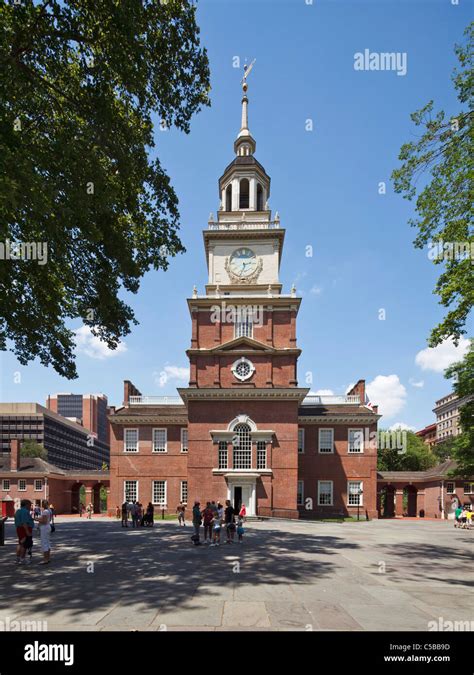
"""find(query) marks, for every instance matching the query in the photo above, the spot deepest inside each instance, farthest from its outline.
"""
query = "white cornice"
(341, 418)
(211, 394)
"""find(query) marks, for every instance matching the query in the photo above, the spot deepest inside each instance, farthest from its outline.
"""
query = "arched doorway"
(410, 501)
(76, 497)
(387, 501)
(99, 498)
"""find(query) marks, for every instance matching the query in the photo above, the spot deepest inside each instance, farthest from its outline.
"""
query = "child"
(468, 518)
(216, 530)
(240, 528)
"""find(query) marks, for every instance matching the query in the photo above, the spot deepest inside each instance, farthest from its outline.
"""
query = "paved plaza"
(379, 575)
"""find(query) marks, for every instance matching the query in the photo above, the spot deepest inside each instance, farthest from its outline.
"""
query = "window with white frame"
(326, 440)
(300, 493)
(6, 484)
(261, 455)
(450, 488)
(159, 440)
(300, 440)
(354, 493)
(130, 490)
(243, 327)
(159, 492)
(130, 440)
(222, 455)
(356, 440)
(325, 492)
(469, 488)
(184, 491)
(22, 485)
(184, 440)
(38, 484)
(242, 447)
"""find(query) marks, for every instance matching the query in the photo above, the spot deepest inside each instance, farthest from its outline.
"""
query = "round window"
(243, 369)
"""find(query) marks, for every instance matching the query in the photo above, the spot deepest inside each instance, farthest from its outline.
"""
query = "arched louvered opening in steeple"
(228, 198)
(244, 190)
(259, 197)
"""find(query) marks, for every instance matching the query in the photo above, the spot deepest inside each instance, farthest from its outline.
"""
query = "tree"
(443, 205)
(462, 374)
(80, 84)
(30, 448)
(417, 456)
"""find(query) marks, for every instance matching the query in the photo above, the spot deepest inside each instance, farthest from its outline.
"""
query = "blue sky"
(324, 186)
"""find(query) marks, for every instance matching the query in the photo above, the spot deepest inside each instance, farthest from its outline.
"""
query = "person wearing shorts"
(24, 524)
(181, 513)
(45, 531)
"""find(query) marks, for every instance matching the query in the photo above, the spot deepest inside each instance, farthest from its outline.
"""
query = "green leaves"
(82, 81)
(462, 374)
(445, 151)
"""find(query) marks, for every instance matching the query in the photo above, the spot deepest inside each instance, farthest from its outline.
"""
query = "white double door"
(243, 493)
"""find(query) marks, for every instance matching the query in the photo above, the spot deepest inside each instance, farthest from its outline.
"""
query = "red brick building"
(243, 429)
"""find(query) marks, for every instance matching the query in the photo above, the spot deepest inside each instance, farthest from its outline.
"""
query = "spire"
(245, 144)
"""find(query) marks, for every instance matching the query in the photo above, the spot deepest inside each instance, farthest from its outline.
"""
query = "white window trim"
(159, 480)
(21, 481)
(184, 429)
(301, 503)
(129, 452)
(159, 452)
(185, 501)
(471, 488)
(326, 452)
(4, 481)
(332, 492)
(125, 489)
(38, 480)
(301, 430)
(355, 452)
(453, 491)
(361, 496)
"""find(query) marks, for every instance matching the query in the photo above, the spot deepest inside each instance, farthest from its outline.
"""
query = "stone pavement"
(381, 575)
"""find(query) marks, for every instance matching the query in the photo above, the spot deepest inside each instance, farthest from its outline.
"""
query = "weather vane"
(247, 70)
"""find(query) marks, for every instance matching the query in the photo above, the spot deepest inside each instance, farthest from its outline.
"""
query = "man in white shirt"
(45, 531)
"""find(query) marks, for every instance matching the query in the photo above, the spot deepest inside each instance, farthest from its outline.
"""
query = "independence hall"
(243, 429)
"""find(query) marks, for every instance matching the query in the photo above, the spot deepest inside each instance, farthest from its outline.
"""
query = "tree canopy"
(462, 374)
(82, 85)
(31, 448)
(417, 456)
(445, 151)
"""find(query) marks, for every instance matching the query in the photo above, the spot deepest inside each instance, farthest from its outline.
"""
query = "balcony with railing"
(156, 400)
(244, 225)
(314, 399)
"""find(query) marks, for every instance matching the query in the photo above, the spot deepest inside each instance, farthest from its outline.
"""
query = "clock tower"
(243, 393)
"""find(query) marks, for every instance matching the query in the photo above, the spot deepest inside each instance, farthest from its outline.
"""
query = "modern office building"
(90, 410)
(69, 445)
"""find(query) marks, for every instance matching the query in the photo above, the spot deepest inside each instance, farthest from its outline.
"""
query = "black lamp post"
(359, 494)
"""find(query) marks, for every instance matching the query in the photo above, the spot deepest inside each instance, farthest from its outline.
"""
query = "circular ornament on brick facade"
(243, 369)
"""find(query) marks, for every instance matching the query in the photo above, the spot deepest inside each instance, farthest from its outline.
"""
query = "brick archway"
(410, 494)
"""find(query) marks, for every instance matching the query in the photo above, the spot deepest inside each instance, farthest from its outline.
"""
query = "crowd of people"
(27, 518)
(463, 517)
(134, 513)
(215, 519)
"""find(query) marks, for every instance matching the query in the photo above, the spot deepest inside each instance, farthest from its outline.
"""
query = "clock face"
(243, 262)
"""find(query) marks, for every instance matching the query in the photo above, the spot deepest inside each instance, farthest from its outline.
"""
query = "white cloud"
(349, 387)
(322, 392)
(418, 384)
(401, 426)
(90, 345)
(316, 290)
(440, 357)
(388, 393)
(170, 373)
